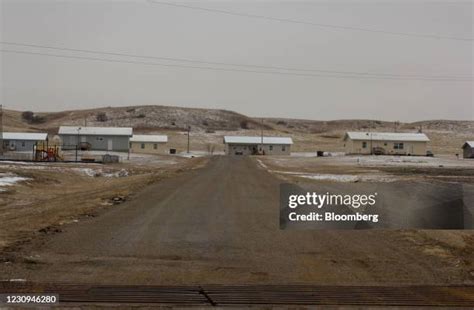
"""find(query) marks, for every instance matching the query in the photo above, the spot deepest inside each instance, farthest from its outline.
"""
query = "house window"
(143, 145)
(364, 145)
(283, 148)
(23, 144)
(270, 147)
(155, 146)
(398, 146)
(385, 144)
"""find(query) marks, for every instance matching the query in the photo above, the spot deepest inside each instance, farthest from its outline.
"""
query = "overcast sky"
(47, 83)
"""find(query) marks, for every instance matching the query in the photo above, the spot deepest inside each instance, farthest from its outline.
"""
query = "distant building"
(468, 149)
(388, 143)
(96, 138)
(22, 141)
(148, 144)
(244, 145)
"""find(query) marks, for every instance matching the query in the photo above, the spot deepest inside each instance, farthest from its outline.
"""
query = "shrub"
(27, 115)
(31, 118)
(101, 117)
(244, 124)
(38, 119)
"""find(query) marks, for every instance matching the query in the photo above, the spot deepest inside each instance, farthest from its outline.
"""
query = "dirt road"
(220, 225)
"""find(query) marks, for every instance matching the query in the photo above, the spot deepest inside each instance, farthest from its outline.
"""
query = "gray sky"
(45, 83)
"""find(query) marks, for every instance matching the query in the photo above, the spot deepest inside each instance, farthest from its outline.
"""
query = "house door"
(110, 145)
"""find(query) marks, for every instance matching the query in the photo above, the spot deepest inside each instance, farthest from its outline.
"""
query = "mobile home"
(148, 144)
(388, 143)
(247, 145)
(22, 141)
(96, 138)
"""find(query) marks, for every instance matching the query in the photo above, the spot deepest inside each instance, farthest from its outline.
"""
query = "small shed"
(148, 144)
(248, 145)
(388, 143)
(96, 138)
(22, 141)
(468, 149)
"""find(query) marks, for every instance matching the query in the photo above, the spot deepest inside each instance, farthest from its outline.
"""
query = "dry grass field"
(55, 194)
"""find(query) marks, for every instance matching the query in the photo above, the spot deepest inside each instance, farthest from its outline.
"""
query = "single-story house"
(148, 144)
(96, 138)
(468, 149)
(388, 143)
(22, 141)
(245, 145)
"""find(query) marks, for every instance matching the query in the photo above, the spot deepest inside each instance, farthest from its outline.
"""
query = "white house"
(246, 145)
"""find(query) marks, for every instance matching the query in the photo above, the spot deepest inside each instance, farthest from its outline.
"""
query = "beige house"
(386, 143)
(149, 144)
(245, 145)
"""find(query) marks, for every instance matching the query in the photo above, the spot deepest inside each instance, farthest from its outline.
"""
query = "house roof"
(35, 136)
(468, 143)
(257, 140)
(386, 136)
(96, 131)
(149, 138)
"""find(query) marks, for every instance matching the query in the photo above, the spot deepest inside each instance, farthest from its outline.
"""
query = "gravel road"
(220, 225)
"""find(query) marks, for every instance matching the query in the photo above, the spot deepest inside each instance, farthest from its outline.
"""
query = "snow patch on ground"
(193, 154)
(262, 164)
(16, 162)
(411, 161)
(99, 173)
(340, 177)
(9, 179)
(304, 154)
(349, 178)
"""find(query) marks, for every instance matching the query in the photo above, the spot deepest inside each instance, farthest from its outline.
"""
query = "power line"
(229, 69)
(234, 64)
(294, 21)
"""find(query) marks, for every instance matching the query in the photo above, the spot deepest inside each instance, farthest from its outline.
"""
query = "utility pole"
(371, 148)
(1, 129)
(189, 131)
(261, 134)
(369, 133)
(77, 142)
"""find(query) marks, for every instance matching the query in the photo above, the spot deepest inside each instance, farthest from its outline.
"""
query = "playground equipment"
(48, 150)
